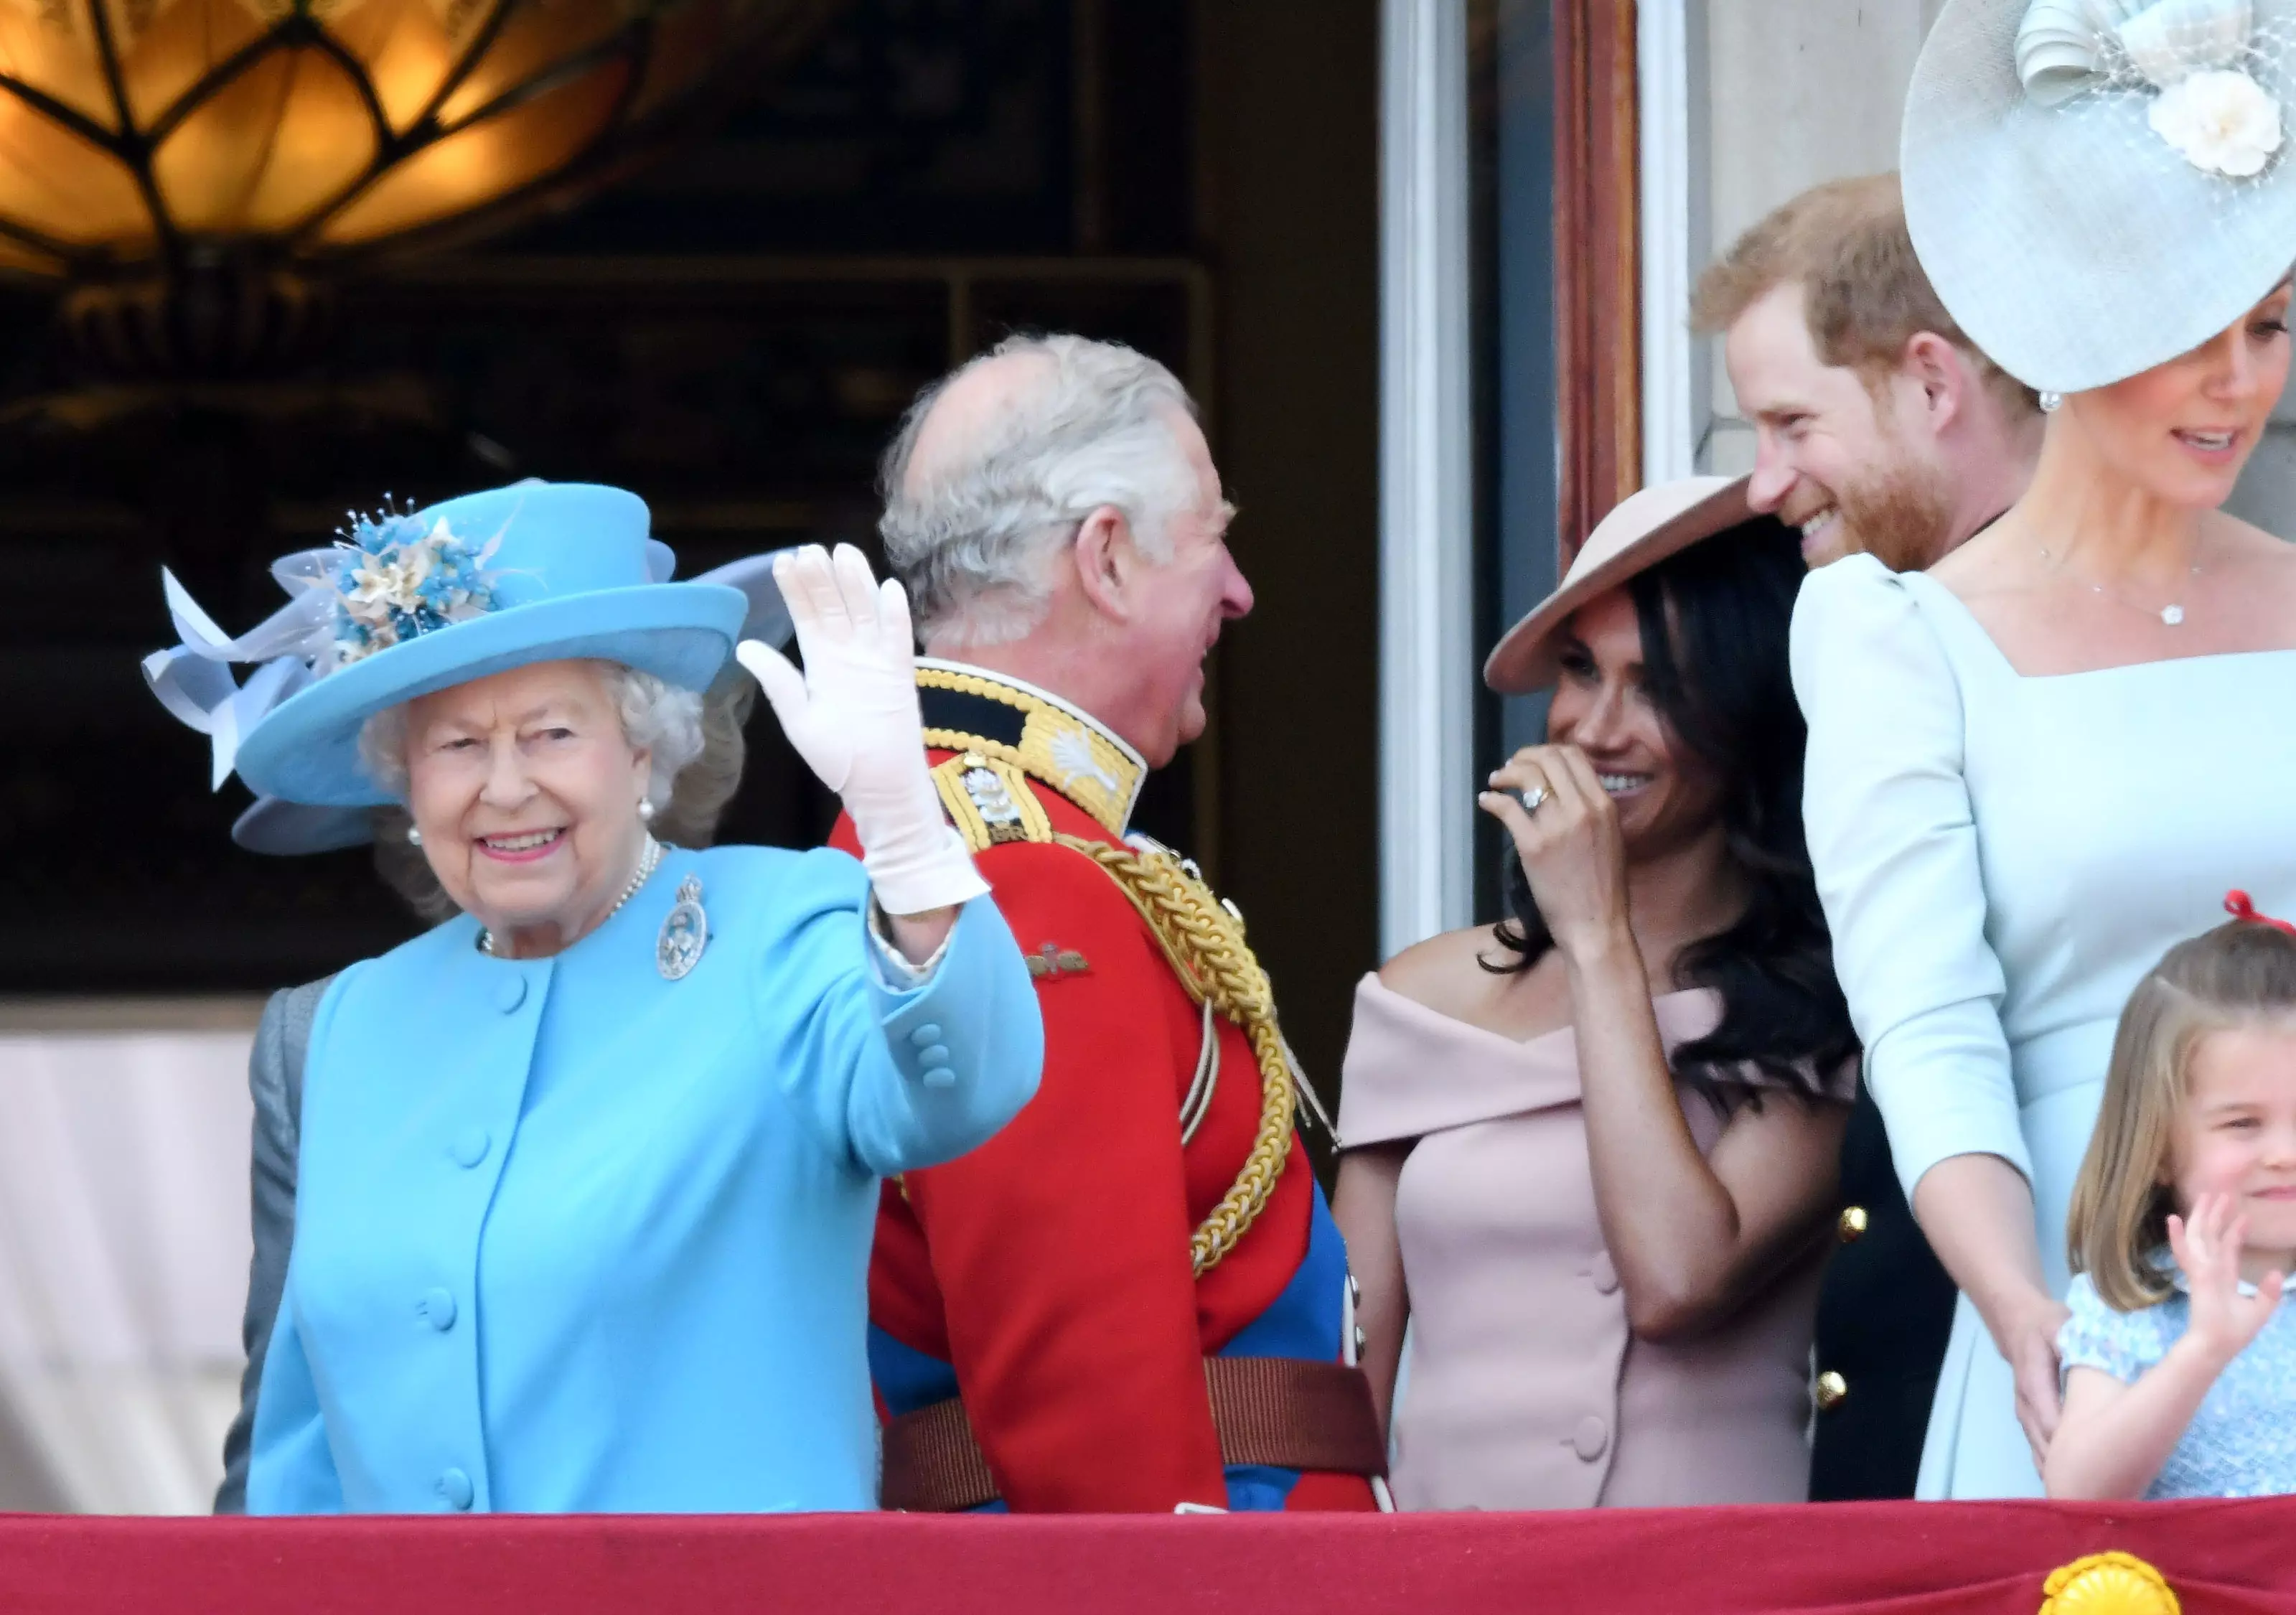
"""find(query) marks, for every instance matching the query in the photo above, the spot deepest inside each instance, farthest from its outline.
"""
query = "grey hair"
(657, 718)
(974, 544)
(686, 816)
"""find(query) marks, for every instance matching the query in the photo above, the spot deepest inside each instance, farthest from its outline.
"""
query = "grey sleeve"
(275, 1079)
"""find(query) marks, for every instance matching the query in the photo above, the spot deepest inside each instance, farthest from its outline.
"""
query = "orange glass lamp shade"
(135, 131)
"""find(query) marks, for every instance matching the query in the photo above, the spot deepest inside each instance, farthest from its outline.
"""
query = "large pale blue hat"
(410, 604)
(2096, 186)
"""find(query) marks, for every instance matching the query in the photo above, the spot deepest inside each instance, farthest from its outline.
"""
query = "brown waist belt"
(1285, 1413)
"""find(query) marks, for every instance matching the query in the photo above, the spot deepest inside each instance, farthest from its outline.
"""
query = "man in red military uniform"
(1134, 1297)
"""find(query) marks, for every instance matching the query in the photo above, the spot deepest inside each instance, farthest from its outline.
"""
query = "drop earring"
(2052, 402)
(414, 836)
(645, 810)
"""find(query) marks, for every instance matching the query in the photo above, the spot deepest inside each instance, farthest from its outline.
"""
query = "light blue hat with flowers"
(2096, 186)
(196, 688)
(406, 604)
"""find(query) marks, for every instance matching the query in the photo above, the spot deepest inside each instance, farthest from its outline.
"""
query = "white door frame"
(1672, 123)
(1428, 662)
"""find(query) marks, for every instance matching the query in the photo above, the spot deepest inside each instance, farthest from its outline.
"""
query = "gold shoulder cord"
(1205, 944)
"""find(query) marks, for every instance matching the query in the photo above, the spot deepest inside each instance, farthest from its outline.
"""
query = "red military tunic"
(1046, 1278)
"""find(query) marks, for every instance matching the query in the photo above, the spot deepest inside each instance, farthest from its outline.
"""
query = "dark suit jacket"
(275, 1078)
(1883, 1314)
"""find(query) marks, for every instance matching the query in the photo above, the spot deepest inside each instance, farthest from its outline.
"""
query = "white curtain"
(123, 1256)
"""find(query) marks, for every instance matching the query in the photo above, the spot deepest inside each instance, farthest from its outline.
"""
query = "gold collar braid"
(1041, 734)
(1204, 941)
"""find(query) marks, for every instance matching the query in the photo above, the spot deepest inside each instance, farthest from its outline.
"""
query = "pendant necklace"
(649, 860)
(2172, 614)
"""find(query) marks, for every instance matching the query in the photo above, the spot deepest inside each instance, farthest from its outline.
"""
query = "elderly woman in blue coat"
(588, 1173)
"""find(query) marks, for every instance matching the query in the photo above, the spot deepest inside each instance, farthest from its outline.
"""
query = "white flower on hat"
(394, 581)
(2221, 121)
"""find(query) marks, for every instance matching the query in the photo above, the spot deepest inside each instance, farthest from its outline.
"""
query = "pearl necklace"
(649, 861)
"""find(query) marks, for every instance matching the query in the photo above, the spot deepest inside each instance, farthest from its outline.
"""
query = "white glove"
(852, 715)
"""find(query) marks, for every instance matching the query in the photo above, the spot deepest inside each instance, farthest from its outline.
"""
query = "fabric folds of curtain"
(123, 1259)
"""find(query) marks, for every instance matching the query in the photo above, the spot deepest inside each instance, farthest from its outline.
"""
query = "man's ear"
(1104, 560)
(1937, 368)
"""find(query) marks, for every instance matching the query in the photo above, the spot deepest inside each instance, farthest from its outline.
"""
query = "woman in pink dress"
(1591, 1151)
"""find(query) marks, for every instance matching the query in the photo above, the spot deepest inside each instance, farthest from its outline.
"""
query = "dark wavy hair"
(1714, 621)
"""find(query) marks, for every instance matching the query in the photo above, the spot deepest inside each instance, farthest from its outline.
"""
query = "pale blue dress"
(2001, 859)
(2242, 1442)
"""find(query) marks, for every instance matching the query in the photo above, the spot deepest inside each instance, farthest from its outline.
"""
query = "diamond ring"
(1533, 797)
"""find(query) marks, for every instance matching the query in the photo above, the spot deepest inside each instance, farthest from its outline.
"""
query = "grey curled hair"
(973, 542)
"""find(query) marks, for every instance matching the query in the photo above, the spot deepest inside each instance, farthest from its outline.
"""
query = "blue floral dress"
(2242, 1441)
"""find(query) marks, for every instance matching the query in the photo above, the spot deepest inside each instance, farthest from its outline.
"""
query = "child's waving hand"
(2207, 1246)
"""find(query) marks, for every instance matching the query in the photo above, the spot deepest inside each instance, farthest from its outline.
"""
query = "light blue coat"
(571, 1236)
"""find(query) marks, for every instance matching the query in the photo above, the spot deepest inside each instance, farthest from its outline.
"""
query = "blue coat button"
(941, 1076)
(511, 993)
(925, 1036)
(470, 1146)
(455, 1487)
(936, 1055)
(438, 1307)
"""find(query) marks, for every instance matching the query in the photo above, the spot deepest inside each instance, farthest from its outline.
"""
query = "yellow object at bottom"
(2107, 1583)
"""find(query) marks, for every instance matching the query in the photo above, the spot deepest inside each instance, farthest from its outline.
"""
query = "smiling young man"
(1134, 1299)
(1878, 428)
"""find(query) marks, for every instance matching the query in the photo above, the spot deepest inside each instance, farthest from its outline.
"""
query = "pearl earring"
(645, 810)
(2052, 402)
(414, 836)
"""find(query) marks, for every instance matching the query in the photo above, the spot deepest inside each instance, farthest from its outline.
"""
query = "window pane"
(1511, 138)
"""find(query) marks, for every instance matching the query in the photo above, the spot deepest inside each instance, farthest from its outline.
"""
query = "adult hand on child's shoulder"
(2031, 1349)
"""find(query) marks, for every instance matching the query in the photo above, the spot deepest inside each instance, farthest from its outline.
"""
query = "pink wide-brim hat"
(1644, 529)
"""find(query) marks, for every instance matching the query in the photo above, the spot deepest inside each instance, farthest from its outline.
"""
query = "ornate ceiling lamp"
(183, 164)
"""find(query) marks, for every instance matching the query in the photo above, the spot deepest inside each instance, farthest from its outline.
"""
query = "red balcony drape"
(1885, 1559)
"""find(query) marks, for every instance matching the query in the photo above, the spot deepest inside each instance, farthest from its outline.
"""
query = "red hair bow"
(2239, 908)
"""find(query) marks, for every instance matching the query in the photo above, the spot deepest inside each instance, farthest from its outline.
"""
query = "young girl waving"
(2179, 1359)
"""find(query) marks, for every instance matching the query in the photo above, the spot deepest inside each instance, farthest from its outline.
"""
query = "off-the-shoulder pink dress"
(1524, 1388)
